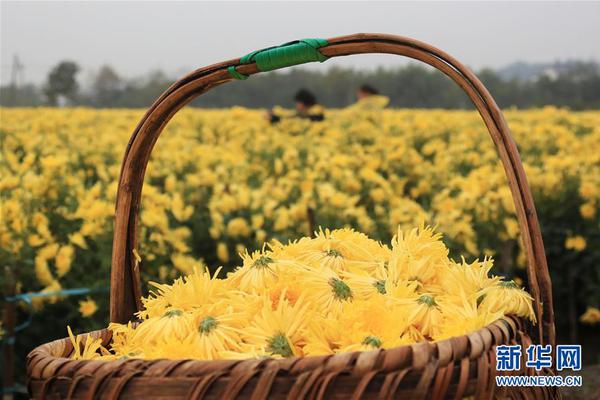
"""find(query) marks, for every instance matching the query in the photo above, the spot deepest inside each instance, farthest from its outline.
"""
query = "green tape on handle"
(237, 75)
(286, 55)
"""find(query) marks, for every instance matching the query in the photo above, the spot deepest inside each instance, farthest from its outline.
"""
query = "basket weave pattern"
(450, 368)
(453, 368)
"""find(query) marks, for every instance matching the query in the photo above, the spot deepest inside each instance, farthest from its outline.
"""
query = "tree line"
(576, 86)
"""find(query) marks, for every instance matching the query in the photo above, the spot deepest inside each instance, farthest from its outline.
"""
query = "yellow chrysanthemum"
(507, 298)
(425, 314)
(463, 318)
(63, 259)
(218, 332)
(262, 269)
(472, 279)
(258, 270)
(88, 348)
(327, 290)
(123, 344)
(368, 325)
(279, 332)
(212, 332)
(173, 324)
(87, 307)
(591, 316)
(576, 243)
(288, 286)
(323, 336)
(417, 255)
(403, 291)
(338, 250)
(187, 293)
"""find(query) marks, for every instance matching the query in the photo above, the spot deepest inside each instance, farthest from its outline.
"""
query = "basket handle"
(125, 275)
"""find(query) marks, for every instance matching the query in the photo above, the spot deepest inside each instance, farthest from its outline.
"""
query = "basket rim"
(52, 359)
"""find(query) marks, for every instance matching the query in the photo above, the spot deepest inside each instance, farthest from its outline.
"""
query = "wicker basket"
(454, 368)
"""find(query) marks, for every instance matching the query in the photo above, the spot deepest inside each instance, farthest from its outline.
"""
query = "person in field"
(369, 99)
(307, 107)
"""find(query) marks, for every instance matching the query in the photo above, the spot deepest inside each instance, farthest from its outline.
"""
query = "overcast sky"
(136, 37)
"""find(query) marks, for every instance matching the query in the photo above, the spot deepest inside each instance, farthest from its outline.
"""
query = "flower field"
(223, 181)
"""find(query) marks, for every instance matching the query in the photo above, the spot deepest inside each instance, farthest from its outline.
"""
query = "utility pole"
(17, 76)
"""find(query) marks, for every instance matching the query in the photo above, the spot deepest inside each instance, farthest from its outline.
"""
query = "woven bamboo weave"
(450, 369)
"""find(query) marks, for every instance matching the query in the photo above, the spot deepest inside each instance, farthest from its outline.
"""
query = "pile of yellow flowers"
(337, 292)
